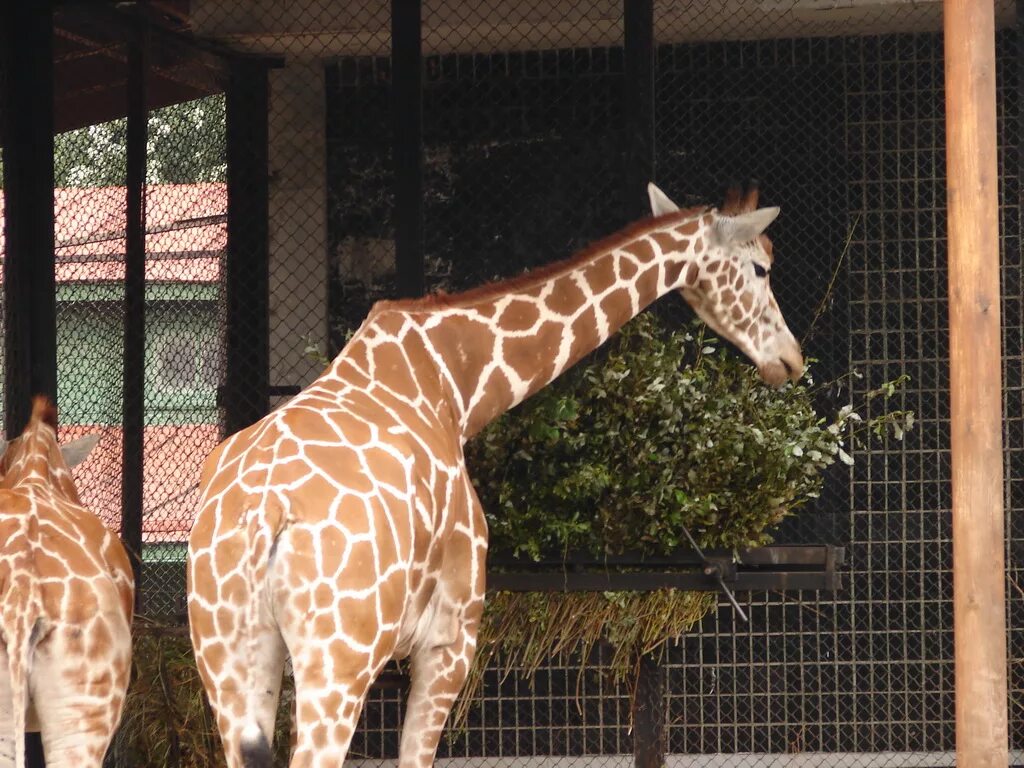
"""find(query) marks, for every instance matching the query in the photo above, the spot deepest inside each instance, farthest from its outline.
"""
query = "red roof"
(186, 227)
(173, 457)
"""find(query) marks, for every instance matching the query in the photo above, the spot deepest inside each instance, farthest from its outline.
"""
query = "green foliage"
(663, 430)
(185, 145)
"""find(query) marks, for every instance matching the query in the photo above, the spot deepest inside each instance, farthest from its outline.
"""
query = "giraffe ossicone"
(66, 599)
(342, 530)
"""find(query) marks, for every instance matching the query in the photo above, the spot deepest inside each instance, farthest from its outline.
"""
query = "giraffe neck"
(35, 458)
(495, 346)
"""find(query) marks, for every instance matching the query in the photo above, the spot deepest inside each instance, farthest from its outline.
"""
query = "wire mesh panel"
(724, 111)
(499, 120)
(90, 219)
(360, 183)
(186, 201)
(273, 225)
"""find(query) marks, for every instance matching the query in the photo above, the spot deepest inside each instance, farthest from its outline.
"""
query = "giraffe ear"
(76, 451)
(660, 204)
(745, 227)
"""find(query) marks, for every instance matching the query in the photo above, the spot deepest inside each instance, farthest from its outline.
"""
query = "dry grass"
(167, 720)
(523, 630)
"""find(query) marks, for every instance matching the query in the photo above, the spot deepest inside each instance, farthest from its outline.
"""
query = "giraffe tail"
(264, 522)
(19, 617)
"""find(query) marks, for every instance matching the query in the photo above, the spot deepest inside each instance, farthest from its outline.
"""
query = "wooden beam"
(979, 609)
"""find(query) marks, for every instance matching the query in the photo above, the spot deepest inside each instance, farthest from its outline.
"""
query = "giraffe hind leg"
(245, 709)
(79, 695)
(437, 675)
(327, 712)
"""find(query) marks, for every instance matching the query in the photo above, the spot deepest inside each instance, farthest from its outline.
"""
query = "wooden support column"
(979, 609)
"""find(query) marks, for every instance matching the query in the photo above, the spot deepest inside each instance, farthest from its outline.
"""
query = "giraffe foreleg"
(442, 659)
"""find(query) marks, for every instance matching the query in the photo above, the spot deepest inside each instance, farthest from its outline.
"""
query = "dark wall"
(524, 163)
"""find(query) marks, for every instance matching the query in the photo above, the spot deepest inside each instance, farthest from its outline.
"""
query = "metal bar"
(30, 292)
(645, 582)
(30, 303)
(133, 393)
(247, 376)
(407, 152)
(794, 555)
(638, 98)
(649, 735)
(975, 361)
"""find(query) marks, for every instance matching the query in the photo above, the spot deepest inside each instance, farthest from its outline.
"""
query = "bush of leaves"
(661, 431)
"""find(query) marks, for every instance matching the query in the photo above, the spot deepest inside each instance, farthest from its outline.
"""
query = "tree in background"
(185, 145)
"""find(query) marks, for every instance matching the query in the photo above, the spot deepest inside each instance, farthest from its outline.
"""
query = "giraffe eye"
(759, 270)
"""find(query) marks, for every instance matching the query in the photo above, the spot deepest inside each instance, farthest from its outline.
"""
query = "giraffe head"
(727, 283)
(35, 452)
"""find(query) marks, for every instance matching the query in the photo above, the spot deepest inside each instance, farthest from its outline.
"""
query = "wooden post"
(979, 609)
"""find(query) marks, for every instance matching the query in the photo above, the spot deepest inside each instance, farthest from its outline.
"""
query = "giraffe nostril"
(786, 365)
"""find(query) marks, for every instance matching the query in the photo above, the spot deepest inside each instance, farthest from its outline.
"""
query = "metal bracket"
(718, 568)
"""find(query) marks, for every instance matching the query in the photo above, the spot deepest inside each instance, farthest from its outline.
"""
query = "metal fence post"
(407, 155)
(30, 290)
(30, 297)
(247, 374)
(649, 737)
(638, 103)
(133, 394)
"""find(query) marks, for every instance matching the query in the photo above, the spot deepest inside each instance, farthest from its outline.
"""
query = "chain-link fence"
(279, 210)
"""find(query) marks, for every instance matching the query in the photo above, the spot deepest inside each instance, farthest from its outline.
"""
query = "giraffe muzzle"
(788, 366)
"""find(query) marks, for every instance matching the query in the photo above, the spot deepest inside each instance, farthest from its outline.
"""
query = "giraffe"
(66, 594)
(342, 529)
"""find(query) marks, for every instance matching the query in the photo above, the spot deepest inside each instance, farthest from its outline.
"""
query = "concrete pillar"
(298, 220)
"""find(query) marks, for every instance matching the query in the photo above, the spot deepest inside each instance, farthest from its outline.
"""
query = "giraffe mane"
(44, 412)
(545, 272)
